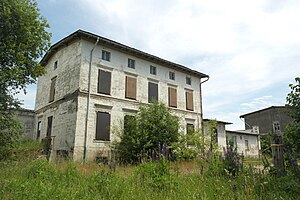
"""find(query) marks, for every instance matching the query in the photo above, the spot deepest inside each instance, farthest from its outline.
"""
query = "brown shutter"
(103, 126)
(52, 89)
(189, 100)
(104, 82)
(152, 91)
(130, 91)
(172, 97)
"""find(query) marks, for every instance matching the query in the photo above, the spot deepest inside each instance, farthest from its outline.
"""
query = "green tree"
(152, 126)
(291, 134)
(23, 40)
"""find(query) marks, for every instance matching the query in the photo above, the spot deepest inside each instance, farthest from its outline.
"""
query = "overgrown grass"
(38, 179)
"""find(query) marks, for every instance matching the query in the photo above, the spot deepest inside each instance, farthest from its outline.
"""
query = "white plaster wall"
(241, 146)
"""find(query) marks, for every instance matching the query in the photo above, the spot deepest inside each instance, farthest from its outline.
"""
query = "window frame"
(172, 102)
(153, 70)
(189, 99)
(129, 94)
(106, 55)
(131, 63)
(52, 89)
(172, 75)
(188, 80)
(150, 96)
(55, 65)
(102, 134)
(101, 87)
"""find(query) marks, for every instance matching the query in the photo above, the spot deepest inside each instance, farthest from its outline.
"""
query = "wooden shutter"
(130, 91)
(172, 97)
(52, 89)
(152, 91)
(189, 100)
(103, 126)
(104, 82)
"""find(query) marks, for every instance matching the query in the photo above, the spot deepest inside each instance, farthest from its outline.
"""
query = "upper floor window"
(276, 127)
(172, 97)
(130, 90)
(131, 63)
(171, 75)
(189, 100)
(105, 55)
(55, 64)
(52, 89)
(152, 92)
(104, 82)
(188, 80)
(152, 70)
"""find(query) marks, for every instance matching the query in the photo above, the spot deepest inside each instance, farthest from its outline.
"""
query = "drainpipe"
(201, 114)
(88, 103)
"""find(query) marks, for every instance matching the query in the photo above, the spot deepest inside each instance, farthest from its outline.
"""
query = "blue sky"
(250, 49)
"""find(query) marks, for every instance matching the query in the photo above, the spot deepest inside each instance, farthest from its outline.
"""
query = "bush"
(145, 133)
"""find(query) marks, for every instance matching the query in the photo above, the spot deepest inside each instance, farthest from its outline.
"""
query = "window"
(152, 92)
(188, 80)
(104, 81)
(38, 133)
(189, 100)
(246, 145)
(103, 126)
(52, 89)
(131, 63)
(172, 97)
(276, 127)
(215, 136)
(172, 75)
(152, 70)
(55, 65)
(130, 91)
(49, 127)
(105, 55)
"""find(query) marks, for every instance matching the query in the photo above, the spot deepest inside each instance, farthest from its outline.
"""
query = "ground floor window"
(103, 126)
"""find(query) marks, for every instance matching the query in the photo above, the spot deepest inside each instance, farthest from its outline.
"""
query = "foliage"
(291, 134)
(293, 101)
(156, 175)
(10, 132)
(154, 125)
(23, 40)
(265, 142)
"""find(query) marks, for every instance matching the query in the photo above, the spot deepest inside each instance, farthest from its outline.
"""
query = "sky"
(250, 49)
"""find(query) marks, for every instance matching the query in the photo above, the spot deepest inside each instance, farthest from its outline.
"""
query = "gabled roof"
(271, 107)
(226, 123)
(80, 34)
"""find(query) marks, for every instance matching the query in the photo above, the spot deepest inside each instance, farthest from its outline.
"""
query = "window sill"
(101, 141)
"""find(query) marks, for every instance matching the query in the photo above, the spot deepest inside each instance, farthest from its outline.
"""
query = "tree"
(151, 128)
(291, 134)
(23, 40)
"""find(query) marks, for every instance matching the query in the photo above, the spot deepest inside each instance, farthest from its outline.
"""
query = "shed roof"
(226, 123)
(80, 34)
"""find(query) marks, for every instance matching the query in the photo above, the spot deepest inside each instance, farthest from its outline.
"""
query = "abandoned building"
(272, 119)
(246, 142)
(92, 83)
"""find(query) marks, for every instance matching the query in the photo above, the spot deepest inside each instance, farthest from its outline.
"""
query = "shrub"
(153, 126)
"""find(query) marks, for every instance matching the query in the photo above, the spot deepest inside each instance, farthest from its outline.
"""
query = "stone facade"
(271, 119)
(68, 63)
(26, 117)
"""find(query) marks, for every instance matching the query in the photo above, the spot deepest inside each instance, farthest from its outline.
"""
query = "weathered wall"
(221, 133)
(253, 150)
(26, 117)
(264, 119)
(64, 107)
(116, 104)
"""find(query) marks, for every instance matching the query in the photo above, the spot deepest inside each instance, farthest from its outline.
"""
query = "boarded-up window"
(49, 127)
(152, 92)
(130, 91)
(189, 100)
(172, 97)
(52, 89)
(104, 81)
(103, 126)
